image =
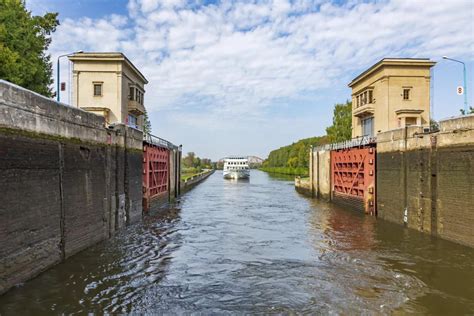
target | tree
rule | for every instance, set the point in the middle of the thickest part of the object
(146, 123)
(470, 111)
(294, 155)
(24, 40)
(434, 125)
(341, 128)
(188, 161)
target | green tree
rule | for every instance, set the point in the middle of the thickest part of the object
(294, 155)
(470, 111)
(188, 161)
(292, 162)
(341, 128)
(24, 40)
(434, 125)
(146, 123)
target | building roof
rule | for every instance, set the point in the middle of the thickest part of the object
(107, 56)
(393, 62)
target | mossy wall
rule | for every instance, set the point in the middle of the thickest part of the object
(66, 182)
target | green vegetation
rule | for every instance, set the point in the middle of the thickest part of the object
(193, 165)
(298, 171)
(24, 40)
(341, 128)
(146, 123)
(469, 111)
(294, 159)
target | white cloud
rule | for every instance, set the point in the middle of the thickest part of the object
(237, 59)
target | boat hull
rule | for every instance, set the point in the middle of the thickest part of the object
(236, 174)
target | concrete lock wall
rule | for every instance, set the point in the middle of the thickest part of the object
(172, 175)
(190, 183)
(320, 173)
(426, 181)
(303, 185)
(66, 182)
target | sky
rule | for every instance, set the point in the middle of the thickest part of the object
(246, 77)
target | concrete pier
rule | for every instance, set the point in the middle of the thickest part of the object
(195, 180)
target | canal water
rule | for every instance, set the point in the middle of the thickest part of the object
(256, 247)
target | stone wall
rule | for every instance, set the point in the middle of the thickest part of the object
(66, 182)
(426, 181)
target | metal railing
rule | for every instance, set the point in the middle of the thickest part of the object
(355, 142)
(160, 142)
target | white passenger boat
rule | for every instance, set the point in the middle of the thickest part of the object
(236, 168)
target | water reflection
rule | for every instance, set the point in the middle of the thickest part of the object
(256, 246)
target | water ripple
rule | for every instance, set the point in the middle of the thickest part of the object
(256, 247)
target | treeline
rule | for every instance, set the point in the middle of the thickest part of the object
(294, 159)
(192, 164)
(294, 155)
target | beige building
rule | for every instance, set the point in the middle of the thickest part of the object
(108, 84)
(393, 93)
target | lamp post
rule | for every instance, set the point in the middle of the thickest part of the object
(58, 71)
(465, 84)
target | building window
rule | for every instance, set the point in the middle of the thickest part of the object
(364, 98)
(368, 126)
(406, 94)
(132, 121)
(136, 95)
(97, 89)
(140, 97)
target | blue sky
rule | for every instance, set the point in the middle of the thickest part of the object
(246, 77)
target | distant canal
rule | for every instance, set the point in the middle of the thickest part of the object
(256, 247)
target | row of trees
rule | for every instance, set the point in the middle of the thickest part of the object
(296, 155)
(193, 163)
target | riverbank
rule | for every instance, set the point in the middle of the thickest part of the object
(189, 182)
(299, 171)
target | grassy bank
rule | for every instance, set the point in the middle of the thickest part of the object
(187, 175)
(299, 171)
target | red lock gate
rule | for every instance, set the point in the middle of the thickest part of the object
(353, 178)
(155, 173)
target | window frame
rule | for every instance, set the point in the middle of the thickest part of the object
(135, 119)
(408, 90)
(365, 97)
(99, 84)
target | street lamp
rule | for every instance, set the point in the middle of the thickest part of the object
(57, 71)
(465, 85)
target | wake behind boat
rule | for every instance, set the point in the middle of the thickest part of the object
(236, 168)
